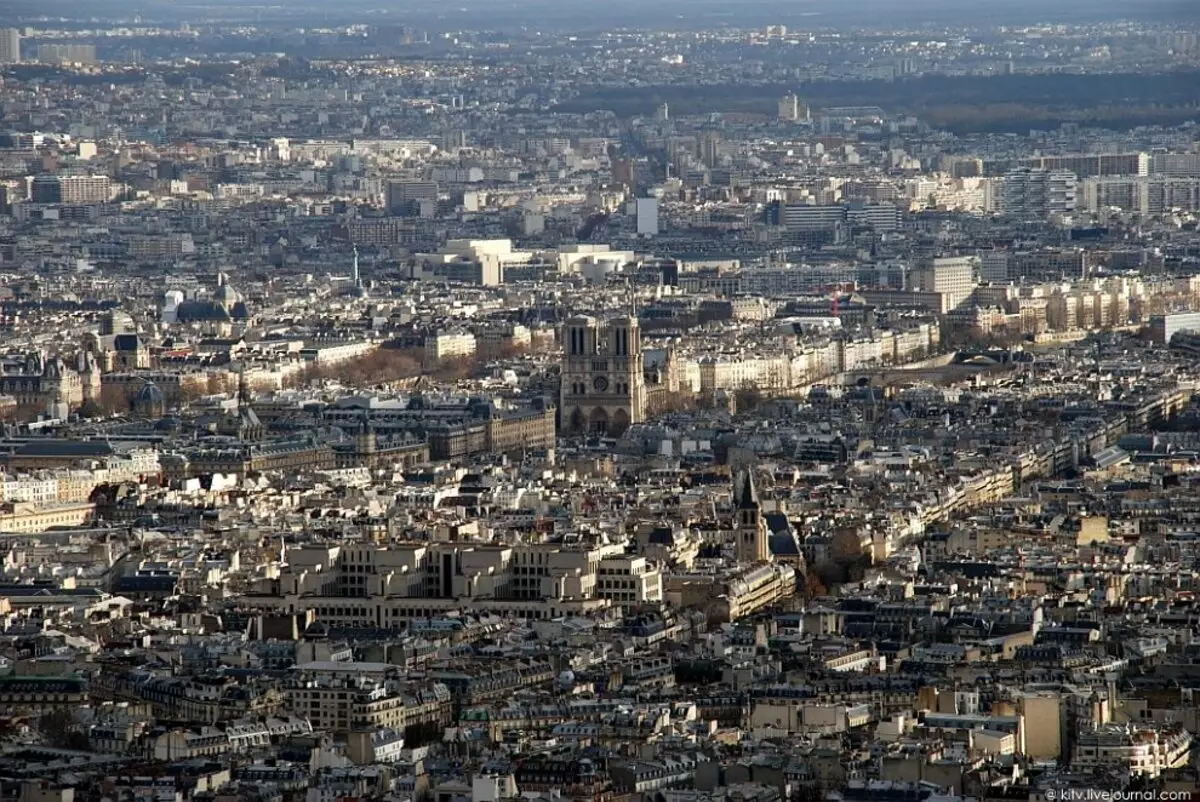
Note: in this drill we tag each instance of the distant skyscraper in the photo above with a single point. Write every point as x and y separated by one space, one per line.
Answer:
789 108
709 148
10 46
647 216
662 113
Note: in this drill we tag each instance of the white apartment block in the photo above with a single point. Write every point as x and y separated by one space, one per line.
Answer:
1142 194
1139 749
443 346
1037 194
370 585
354 696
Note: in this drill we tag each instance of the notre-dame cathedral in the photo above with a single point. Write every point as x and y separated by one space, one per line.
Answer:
603 381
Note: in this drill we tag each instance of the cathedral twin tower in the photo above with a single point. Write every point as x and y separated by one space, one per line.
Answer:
603 376
604 392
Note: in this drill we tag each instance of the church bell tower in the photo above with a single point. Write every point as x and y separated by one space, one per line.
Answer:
752 544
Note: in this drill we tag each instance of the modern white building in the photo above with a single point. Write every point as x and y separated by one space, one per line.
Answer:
445 345
1031 193
1142 194
954 277
647 216
1137 748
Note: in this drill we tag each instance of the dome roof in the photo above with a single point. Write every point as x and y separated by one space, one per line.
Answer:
149 394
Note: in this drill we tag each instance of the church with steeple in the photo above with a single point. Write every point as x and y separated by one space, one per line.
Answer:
751 530
243 423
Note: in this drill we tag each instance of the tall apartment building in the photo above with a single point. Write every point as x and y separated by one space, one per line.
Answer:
405 197
881 217
1035 193
1164 327
66 54
647 216
1083 165
954 277
71 189
993 266
1047 264
444 345
10 46
1152 195
789 108
1176 164
603 381
797 217
832 217
1095 164
1146 749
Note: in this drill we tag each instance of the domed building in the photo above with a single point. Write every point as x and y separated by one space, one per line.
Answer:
225 305
226 296
149 402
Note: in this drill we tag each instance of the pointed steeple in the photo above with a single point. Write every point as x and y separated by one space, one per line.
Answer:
752 543
249 427
745 495
243 394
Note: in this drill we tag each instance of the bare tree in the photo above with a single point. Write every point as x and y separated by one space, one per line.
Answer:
663 402
814 588
512 350
113 400
749 398
378 367
60 730
217 383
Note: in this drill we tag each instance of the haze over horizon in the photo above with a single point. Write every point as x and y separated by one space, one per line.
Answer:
621 13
